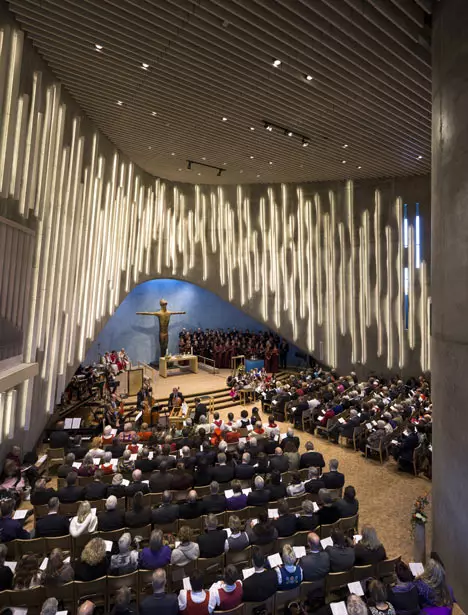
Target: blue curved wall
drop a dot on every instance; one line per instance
(139, 334)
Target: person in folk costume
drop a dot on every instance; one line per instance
(274, 363)
(268, 355)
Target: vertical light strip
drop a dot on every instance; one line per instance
(378, 270)
(301, 256)
(423, 318)
(3, 399)
(14, 177)
(349, 191)
(9, 410)
(399, 304)
(284, 256)
(8, 102)
(256, 261)
(362, 294)
(241, 248)
(411, 288)
(342, 275)
(318, 259)
(204, 247)
(310, 275)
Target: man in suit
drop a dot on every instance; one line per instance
(53, 524)
(167, 511)
(244, 471)
(279, 461)
(200, 410)
(136, 484)
(286, 524)
(316, 564)
(10, 528)
(181, 478)
(72, 492)
(112, 518)
(312, 458)
(259, 496)
(159, 602)
(345, 429)
(348, 505)
(165, 457)
(223, 473)
(213, 541)
(269, 444)
(66, 467)
(41, 494)
(186, 440)
(290, 437)
(59, 437)
(160, 481)
(192, 508)
(215, 502)
(315, 483)
(263, 583)
(328, 513)
(97, 490)
(188, 460)
(333, 479)
(144, 463)
(78, 449)
(176, 394)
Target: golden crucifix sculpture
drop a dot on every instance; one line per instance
(164, 316)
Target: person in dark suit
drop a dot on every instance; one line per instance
(315, 483)
(244, 470)
(72, 492)
(176, 394)
(189, 461)
(97, 490)
(167, 511)
(159, 602)
(144, 463)
(223, 473)
(200, 410)
(312, 458)
(341, 553)
(181, 478)
(117, 488)
(136, 484)
(270, 444)
(348, 505)
(276, 487)
(215, 502)
(327, 513)
(117, 449)
(286, 524)
(333, 479)
(259, 496)
(165, 456)
(316, 564)
(160, 481)
(59, 437)
(139, 515)
(204, 474)
(307, 519)
(263, 583)
(347, 429)
(10, 528)
(78, 449)
(6, 574)
(53, 524)
(212, 541)
(290, 437)
(64, 470)
(41, 494)
(112, 518)
(279, 461)
(192, 508)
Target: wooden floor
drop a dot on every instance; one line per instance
(190, 383)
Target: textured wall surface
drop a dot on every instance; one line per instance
(322, 263)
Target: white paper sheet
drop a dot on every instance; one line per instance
(108, 545)
(11, 566)
(246, 491)
(416, 568)
(20, 514)
(68, 423)
(44, 563)
(299, 552)
(369, 426)
(248, 572)
(338, 608)
(186, 582)
(76, 423)
(272, 513)
(357, 538)
(249, 427)
(356, 588)
(125, 482)
(316, 506)
(228, 493)
(326, 542)
(133, 456)
(96, 461)
(76, 464)
(275, 560)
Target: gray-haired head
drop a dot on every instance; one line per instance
(111, 503)
(214, 487)
(185, 451)
(125, 542)
(222, 458)
(259, 483)
(246, 458)
(107, 457)
(50, 607)
(313, 472)
(159, 580)
(333, 465)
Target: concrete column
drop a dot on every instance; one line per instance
(450, 289)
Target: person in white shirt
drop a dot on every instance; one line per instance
(188, 598)
(85, 521)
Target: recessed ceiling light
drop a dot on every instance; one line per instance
(224, 119)
(419, 157)
(98, 47)
(252, 128)
(149, 146)
(289, 133)
(271, 162)
(224, 164)
(198, 173)
(276, 63)
(241, 171)
(204, 158)
(359, 167)
(305, 142)
(251, 157)
(258, 175)
(153, 113)
(309, 77)
(345, 145)
(343, 161)
(179, 169)
(120, 103)
(302, 166)
(144, 66)
(172, 153)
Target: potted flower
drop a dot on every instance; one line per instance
(419, 519)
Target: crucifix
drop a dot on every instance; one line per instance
(164, 316)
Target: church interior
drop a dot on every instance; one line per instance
(232, 307)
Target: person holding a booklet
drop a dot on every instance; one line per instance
(289, 573)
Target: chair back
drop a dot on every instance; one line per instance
(96, 591)
(176, 574)
(220, 517)
(360, 573)
(55, 456)
(31, 599)
(283, 598)
(69, 508)
(335, 494)
(202, 491)
(126, 580)
(144, 532)
(180, 496)
(284, 540)
(211, 568)
(82, 480)
(349, 524)
(64, 594)
(112, 535)
(121, 503)
(238, 610)
(193, 524)
(156, 499)
(145, 579)
(386, 569)
(304, 474)
(62, 482)
(326, 530)
(41, 510)
(243, 514)
(299, 539)
(59, 542)
(31, 545)
(312, 590)
(336, 580)
(295, 503)
(268, 606)
(268, 549)
(168, 528)
(241, 559)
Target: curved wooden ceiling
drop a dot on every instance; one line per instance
(366, 110)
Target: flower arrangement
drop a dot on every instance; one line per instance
(418, 514)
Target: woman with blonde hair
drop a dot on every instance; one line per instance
(85, 521)
(238, 538)
(289, 574)
(93, 562)
(369, 549)
(58, 571)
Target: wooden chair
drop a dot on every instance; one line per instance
(211, 567)
(41, 510)
(156, 499)
(386, 569)
(286, 478)
(268, 606)
(360, 573)
(299, 539)
(145, 579)
(295, 503)
(59, 542)
(326, 530)
(349, 524)
(80, 542)
(69, 508)
(241, 559)
(96, 591)
(307, 420)
(335, 494)
(32, 599)
(144, 532)
(202, 491)
(177, 573)
(55, 456)
(121, 503)
(180, 496)
(238, 610)
(268, 549)
(283, 540)
(115, 583)
(381, 448)
(337, 580)
(310, 590)
(112, 535)
(82, 480)
(62, 482)
(304, 474)
(31, 545)
(193, 524)
(64, 594)
(167, 528)
(327, 428)
(357, 436)
(283, 598)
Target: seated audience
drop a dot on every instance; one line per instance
(286, 524)
(238, 500)
(341, 553)
(72, 492)
(279, 461)
(93, 561)
(377, 599)
(85, 521)
(59, 437)
(197, 601)
(87, 467)
(204, 474)
(181, 478)
(275, 486)
(127, 434)
(404, 595)
(307, 519)
(41, 494)
(290, 437)
(66, 467)
(192, 508)
(58, 571)
(355, 605)
(228, 591)
(126, 560)
(157, 554)
(117, 488)
(215, 502)
(112, 518)
(348, 505)
(369, 550)
(316, 564)
(125, 464)
(294, 459)
(244, 470)
(160, 481)
(187, 551)
(259, 495)
(107, 438)
(10, 528)
(123, 602)
(238, 539)
(223, 473)
(311, 458)
(213, 540)
(6, 575)
(289, 574)
(296, 486)
(333, 479)
(262, 532)
(159, 602)
(139, 515)
(327, 513)
(97, 490)
(167, 512)
(53, 524)
(107, 466)
(136, 484)
(27, 572)
(263, 583)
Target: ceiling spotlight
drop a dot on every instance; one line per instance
(179, 169)
(419, 157)
(359, 167)
(345, 145)
(241, 171)
(289, 133)
(198, 173)
(98, 47)
(224, 163)
(172, 153)
(189, 165)
(271, 162)
(144, 66)
(153, 113)
(309, 77)
(276, 63)
(252, 128)
(204, 158)
(224, 119)
(258, 175)
(268, 126)
(305, 142)
(149, 147)
(343, 161)
(120, 103)
(251, 157)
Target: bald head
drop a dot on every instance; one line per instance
(136, 475)
(278, 451)
(159, 580)
(192, 496)
(313, 541)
